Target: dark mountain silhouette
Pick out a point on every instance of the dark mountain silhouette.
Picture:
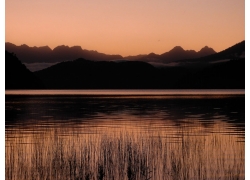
(205, 51)
(65, 53)
(85, 74)
(225, 69)
(17, 76)
(136, 57)
(225, 75)
(28, 54)
(234, 52)
(175, 54)
(59, 54)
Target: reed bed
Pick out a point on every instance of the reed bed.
(123, 155)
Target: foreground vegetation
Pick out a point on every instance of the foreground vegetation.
(124, 155)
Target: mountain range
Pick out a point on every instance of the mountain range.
(225, 69)
(177, 53)
(64, 53)
(59, 54)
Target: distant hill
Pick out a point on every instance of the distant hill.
(59, 54)
(85, 74)
(136, 57)
(224, 75)
(17, 76)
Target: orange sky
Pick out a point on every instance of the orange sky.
(126, 27)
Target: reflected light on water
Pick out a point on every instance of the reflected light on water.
(77, 137)
(128, 92)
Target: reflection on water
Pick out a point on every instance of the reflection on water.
(124, 137)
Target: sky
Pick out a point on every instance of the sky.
(126, 27)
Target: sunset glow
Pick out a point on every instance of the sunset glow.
(126, 27)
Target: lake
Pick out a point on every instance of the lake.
(125, 134)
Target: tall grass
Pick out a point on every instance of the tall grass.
(124, 155)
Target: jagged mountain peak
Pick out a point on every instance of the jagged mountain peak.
(152, 54)
(45, 47)
(76, 47)
(206, 51)
(24, 46)
(177, 48)
(61, 47)
(206, 48)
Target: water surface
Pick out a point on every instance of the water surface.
(125, 134)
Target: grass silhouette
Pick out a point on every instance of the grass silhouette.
(124, 155)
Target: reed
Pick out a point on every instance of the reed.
(124, 155)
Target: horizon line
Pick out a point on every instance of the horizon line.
(120, 54)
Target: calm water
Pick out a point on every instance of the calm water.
(125, 134)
